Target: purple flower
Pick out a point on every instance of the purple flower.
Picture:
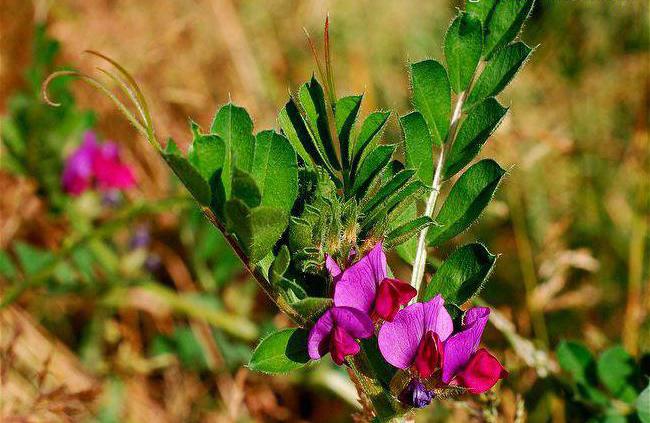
(95, 163)
(336, 332)
(464, 363)
(78, 170)
(416, 394)
(364, 286)
(415, 336)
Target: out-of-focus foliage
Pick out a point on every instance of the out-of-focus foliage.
(570, 223)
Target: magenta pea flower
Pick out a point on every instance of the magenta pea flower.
(336, 332)
(414, 338)
(364, 286)
(96, 164)
(466, 365)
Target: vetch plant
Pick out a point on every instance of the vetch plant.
(312, 208)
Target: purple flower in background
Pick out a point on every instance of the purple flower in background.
(336, 332)
(78, 171)
(364, 286)
(464, 363)
(414, 337)
(97, 164)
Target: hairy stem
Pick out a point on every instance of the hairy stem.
(255, 271)
(421, 254)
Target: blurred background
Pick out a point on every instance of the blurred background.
(126, 306)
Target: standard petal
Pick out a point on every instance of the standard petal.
(437, 318)
(399, 339)
(357, 286)
(355, 322)
(319, 336)
(481, 373)
(460, 347)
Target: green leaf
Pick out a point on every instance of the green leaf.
(32, 260)
(461, 275)
(295, 129)
(617, 371)
(312, 307)
(406, 231)
(498, 72)
(576, 359)
(369, 135)
(280, 264)
(418, 146)
(481, 9)
(406, 250)
(7, 268)
(245, 188)
(504, 24)
(432, 97)
(300, 234)
(345, 113)
(371, 167)
(390, 187)
(235, 127)
(189, 176)
(466, 200)
(313, 102)
(206, 153)
(281, 352)
(463, 46)
(400, 198)
(257, 229)
(643, 405)
(477, 127)
(275, 169)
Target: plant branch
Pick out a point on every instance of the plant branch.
(253, 270)
(421, 254)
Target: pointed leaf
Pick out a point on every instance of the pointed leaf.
(466, 200)
(190, 177)
(312, 308)
(504, 24)
(281, 352)
(257, 229)
(407, 231)
(418, 146)
(400, 198)
(474, 131)
(390, 187)
(235, 127)
(295, 129)
(498, 72)
(313, 102)
(481, 9)
(432, 97)
(371, 167)
(461, 275)
(280, 264)
(463, 46)
(275, 170)
(206, 153)
(346, 112)
(369, 135)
